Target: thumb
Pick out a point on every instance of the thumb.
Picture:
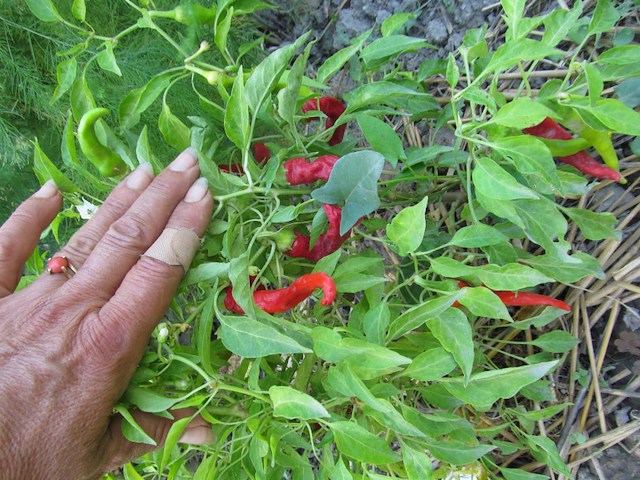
(119, 450)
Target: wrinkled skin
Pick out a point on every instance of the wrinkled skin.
(68, 347)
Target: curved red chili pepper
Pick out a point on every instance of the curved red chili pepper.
(281, 300)
(523, 299)
(300, 171)
(327, 243)
(582, 161)
(260, 152)
(332, 108)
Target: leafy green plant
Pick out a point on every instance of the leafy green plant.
(409, 374)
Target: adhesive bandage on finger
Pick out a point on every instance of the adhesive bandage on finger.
(175, 247)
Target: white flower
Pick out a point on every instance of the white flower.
(87, 209)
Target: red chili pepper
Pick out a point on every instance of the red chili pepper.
(551, 130)
(260, 152)
(332, 108)
(277, 301)
(523, 299)
(300, 171)
(327, 243)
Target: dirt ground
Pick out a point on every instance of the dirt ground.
(443, 23)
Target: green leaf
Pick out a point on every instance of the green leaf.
(475, 236)
(335, 62)
(139, 99)
(454, 452)
(493, 181)
(175, 432)
(222, 31)
(236, 115)
(382, 138)
(604, 18)
(452, 329)
(521, 50)
(45, 10)
(511, 276)
(484, 303)
(375, 323)
(431, 365)
(418, 315)
(484, 388)
(557, 341)
(416, 463)
(147, 400)
(130, 428)
(453, 72)
(341, 472)
(353, 181)
(251, 339)
(388, 93)
(624, 55)
(66, 74)
(582, 265)
(594, 81)
(559, 23)
(266, 75)
(206, 272)
(395, 22)
(288, 96)
(519, 474)
(544, 224)
(545, 450)
(107, 60)
(407, 228)
(593, 225)
(522, 113)
(366, 359)
(293, 404)
(174, 132)
(514, 13)
(356, 442)
(610, 112)
(378, 52)
(81, 98)
(530, 156)
(46, 170)
(79, 10)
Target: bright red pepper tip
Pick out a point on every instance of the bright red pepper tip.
(582, 161)
(332, 108)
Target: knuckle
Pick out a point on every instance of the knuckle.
(162, 187)
(81, 245)
(129, 232)
(105, 339)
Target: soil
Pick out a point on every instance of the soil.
(443, 23)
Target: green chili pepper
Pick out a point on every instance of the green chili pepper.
(601, 141)
(190, 13)
(103, 158)
(562, 148)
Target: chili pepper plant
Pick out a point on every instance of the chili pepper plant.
(440, 335)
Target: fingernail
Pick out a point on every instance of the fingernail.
(197, 191)
(185, 160)
(141, 177)
(48, 190)
(198, 436)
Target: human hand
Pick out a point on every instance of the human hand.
(69, 346)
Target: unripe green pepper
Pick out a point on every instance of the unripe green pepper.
(190, 13)
(108, 162)
(601, 141)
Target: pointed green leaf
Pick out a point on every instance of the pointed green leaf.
(356, 442)
(293, 404)
(354, 181)
(407, 228)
